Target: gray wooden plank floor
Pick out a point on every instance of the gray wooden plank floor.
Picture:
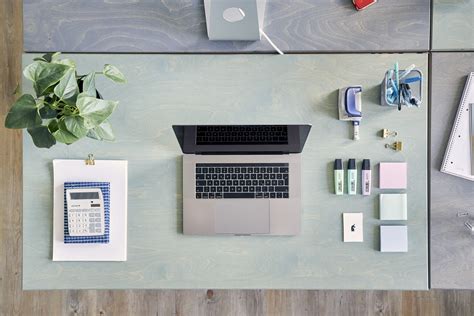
(14, 301)
(179, 26)
(452, 256)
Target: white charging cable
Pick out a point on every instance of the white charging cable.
(271, 43)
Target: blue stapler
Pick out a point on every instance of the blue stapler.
(350, 107)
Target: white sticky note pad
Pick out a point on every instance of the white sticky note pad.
(393, 238)
(353, 227)
(393, 207)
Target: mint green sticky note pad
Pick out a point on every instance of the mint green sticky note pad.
(393, 207)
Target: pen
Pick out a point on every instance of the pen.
(397, 84)
(411, 80)
(407, 71)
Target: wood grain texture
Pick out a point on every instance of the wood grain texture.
(453, 25)
(189, 89)
(297, 302)
(179, 26)
(10, 46)
(13, 301)
(452, 257)
(10, 212)
(438, 303)
(10, 160)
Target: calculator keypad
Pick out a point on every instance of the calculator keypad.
(85, 222)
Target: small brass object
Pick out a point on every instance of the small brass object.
(386, 133)
(90, 160)
(397, 146)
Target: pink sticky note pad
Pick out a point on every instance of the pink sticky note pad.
(393, 175)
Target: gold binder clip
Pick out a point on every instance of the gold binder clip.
(397, 146)
(90, 161)
(386, 133)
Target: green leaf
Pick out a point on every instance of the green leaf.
(102, 132)
(42, 137)
(53, 126)
(114, 74)
(93, 110)
(49, 91)
(46, 112)
(23, 114)
(75, 125)
(62, 135)
(88, 85)
(30, 71)
(49, 57)
(46, 75)
(67, 89)
(66, 61)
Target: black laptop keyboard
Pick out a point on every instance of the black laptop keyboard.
(241, 134)
(249, 181)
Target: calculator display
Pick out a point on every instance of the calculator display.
(84, 195)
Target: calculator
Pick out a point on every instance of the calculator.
(85, 212)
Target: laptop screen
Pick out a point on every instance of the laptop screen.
(241, 139)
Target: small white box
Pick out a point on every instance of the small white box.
(353, 227)
(393, 238)
(393, 207)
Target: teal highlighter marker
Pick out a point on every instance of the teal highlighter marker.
(351, 177)
(338, 177)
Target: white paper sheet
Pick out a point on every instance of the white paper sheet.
(116, 173)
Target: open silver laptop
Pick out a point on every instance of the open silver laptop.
(242, 179)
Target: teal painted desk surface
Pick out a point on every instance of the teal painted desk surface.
(170, 89)
(453, 24)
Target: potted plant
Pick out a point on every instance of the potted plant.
(67, 106)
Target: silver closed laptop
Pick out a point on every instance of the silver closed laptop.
(242, 179)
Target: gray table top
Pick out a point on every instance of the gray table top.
(453, 25)
(172, 89)
(452, 255)
(179, 26)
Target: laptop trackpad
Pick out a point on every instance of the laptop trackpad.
(242, 216)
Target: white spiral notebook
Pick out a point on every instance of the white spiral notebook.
(457, 158)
